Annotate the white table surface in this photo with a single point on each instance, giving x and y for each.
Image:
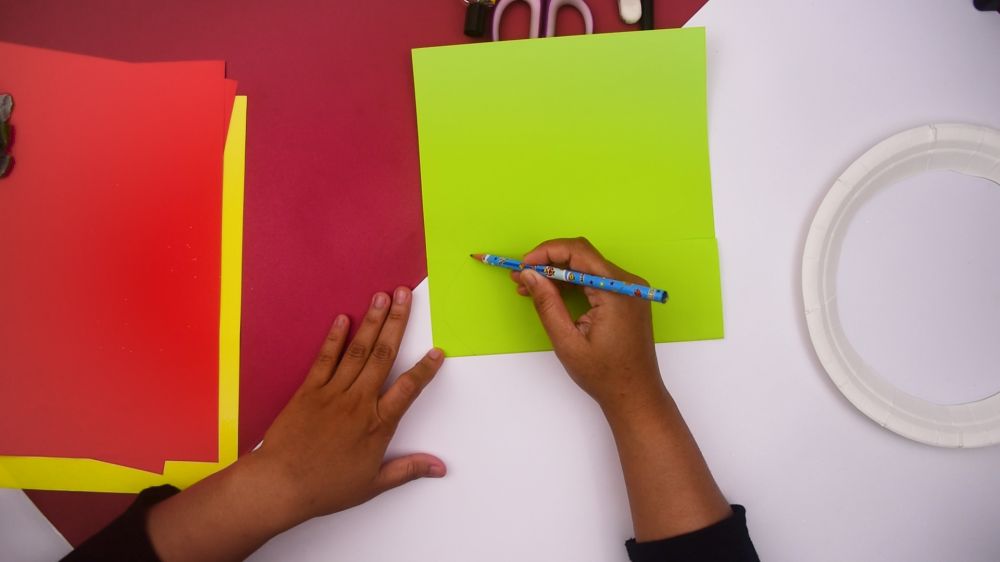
(797, 90)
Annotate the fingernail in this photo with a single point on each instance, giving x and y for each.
(435, 471)
(379, 301)
(402, 295)
(529, 277)
(435, 354)
(341, 321)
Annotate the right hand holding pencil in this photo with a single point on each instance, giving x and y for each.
(608, 351)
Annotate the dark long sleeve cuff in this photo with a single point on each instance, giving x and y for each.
(726, 541)
(126, 537)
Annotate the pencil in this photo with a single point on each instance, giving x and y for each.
(578, 278)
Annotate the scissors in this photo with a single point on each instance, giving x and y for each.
(544, 11)
(638, 11)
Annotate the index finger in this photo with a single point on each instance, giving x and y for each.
(400, 396)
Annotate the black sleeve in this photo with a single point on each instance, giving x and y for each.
(726, 541)
(125, 538)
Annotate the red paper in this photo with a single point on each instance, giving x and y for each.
(332, 171)
(109, 246)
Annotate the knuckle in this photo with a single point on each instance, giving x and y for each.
(397, 314)
(540, 305)
(604, 270)
(544, 310)
(357, 351)
(326, 358)
(373, 318)
(383, 352)
(375, 426)
(411, 471)
(408, 386)
(544, 303)
(424, 370)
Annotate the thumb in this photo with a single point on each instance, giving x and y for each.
(397, 472)
(551, 309)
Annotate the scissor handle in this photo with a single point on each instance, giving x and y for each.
(580, 5)
(630, 10)
(536, 16)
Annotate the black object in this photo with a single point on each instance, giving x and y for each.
(987, 5)
(477, 13)
(126, 537)
(6, 133)
(727, 540)
(646, 20)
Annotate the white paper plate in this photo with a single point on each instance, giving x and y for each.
(968, 149)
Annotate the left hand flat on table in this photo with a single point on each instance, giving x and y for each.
(323, 454)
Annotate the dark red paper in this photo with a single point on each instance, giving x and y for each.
(332, 168)
(109, 246)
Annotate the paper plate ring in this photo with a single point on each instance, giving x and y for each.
(968, 149)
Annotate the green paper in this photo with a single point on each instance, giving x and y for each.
(603, 136)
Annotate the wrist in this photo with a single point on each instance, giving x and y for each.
(267, 492)
(225, 516)
(639, 407)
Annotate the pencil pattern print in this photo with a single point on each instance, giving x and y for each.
(578, 278)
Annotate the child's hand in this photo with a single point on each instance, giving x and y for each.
(609, 350)
(326, 447)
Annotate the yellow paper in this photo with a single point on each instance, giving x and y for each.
(49, 473)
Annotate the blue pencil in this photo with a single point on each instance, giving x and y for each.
(577, 278)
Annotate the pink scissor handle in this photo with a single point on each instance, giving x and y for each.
(580, 5)
(536, 15)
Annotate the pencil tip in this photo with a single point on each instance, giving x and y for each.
(477, 257)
